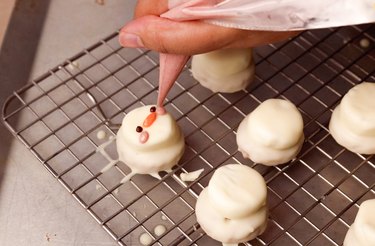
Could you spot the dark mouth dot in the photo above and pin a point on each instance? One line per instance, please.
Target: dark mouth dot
(152, 109)
(139, 129)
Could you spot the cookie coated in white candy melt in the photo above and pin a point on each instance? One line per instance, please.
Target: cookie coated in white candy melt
(352, 124)
(227, 70)
(162, 149)
(362, 231)
(272, 134)
(233, 208)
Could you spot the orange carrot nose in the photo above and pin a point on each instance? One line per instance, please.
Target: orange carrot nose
(149, 119)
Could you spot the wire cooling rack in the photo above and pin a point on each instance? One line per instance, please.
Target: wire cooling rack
(312, 200)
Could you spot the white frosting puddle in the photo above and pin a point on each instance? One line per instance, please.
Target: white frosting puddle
(190, 177)
(101, 134)
(112, 162)
(159, 230)
(145, 239)
(74, 65)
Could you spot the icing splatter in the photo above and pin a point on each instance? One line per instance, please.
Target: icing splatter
(159, 230)
(145, 239)
(101, 134)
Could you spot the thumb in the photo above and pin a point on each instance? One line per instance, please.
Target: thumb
(167, 36)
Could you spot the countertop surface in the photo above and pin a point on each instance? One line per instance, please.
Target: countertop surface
(34, 208)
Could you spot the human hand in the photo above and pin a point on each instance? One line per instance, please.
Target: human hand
(148, 30)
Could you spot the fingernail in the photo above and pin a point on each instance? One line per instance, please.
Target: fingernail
(130, 40)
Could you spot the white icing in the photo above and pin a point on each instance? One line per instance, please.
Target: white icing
(101, 134)
(145, 239)
(364, 43)
(227, 70)
(101, 150)
(160, 230)
(163, 148)
(352, 123)
(127, 177)
(237, 191)
(362, 231)
(190, 177)
(272, 134)
(74, 65)
(233, 208)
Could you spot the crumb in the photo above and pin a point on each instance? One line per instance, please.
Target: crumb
(100, 2)
(48, 237)
(73, 65)
(115, 191)
(364, 43)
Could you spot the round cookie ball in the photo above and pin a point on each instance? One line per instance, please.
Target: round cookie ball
(226, 70)
(272, 134)
(233, 208)
(362, 231)
(352, 124)
(149, 142)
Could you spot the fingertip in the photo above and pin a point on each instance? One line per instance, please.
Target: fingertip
(130, 40)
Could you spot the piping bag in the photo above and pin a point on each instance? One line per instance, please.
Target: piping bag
(261, 15)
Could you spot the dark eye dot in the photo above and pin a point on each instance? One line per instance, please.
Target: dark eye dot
(139, 129)
(152, 109)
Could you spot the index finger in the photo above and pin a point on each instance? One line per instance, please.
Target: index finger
(150, 7)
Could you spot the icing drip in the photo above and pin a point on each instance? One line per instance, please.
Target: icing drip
(127, 177)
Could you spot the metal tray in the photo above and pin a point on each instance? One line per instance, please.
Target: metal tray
(312, 200)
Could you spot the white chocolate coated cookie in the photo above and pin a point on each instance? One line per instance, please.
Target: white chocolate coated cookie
(227, 70)
(352, 123)
(362, 231)
(272, 134)
(233, 208)
(164, 145)
(237, 190)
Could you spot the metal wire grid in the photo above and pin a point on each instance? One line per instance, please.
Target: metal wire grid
(312, 200)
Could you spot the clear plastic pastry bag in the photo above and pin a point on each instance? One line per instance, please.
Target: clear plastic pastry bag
(274, 15)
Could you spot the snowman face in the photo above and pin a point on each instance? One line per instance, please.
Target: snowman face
(150, 119)
(146, 128)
